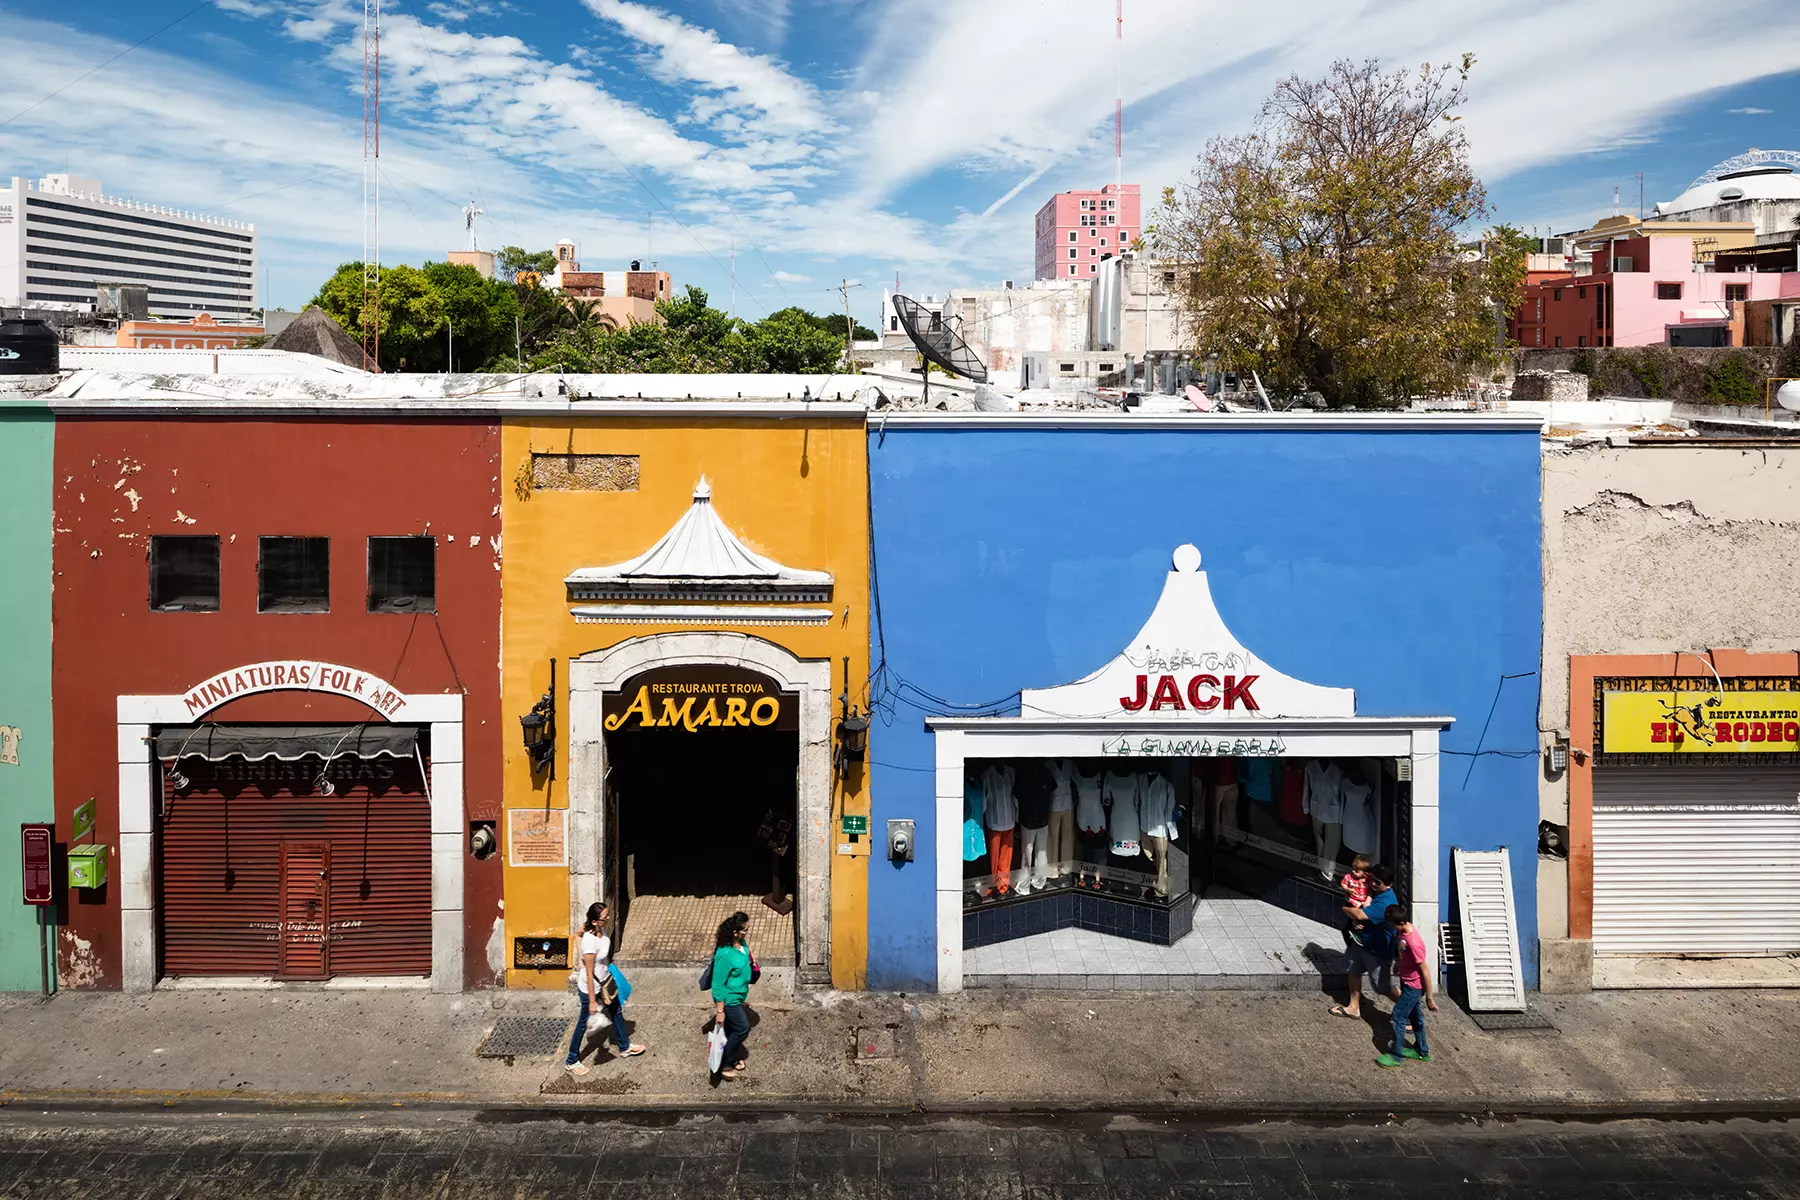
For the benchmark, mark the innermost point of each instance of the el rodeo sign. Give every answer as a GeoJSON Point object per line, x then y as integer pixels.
{"type": "Point", "coordinates": [1700, 722]}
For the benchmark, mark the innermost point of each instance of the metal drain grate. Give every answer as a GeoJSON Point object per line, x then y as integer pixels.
{"type": "Point", "coordinates": [1496, 1022]}
{"type": "Point", "coordinates": [523, 1037]}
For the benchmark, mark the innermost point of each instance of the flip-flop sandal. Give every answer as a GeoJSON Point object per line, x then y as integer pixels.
{"type": "Point", "coordinates": [1338, 1010]}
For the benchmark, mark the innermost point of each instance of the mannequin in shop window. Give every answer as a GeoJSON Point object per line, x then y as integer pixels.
{"type": "Point", "coordinates": [1001, 814]}
{"type": "Point", "coordinates": [974, 832]}
{"type": "Point", "coordinates": [1062, 818]}
{"type": "Point", "coordinates": [1033, 788]}
{"type": "Point", "coordinates": [1122, 791]}
{"type": "Point", "coordinates": [1158, 817]}
{"type": "Point", "coordinates": [1090, 821]}
{"type": "Point", "coordinates": [1325, 805]}
{"type": "Point", "coordinates": [1361, 790]}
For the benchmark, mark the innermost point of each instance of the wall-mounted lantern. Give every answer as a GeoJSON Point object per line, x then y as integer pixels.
{"type": "Point", "coordinates": [538, 727]}
{"type": "Point", "coordinates": [853, 735]}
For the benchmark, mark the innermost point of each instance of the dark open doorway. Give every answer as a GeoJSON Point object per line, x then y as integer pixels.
{"type": "Point", "coordinates": [707, 823]}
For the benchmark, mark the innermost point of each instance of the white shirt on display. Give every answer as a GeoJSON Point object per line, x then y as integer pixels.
{"type": "Point", "coordinates": [1123, 791]}
{"type": "Point", "coordinates": [1000, 807]}
{"type": "Point", "coordinates": [1157, 812]}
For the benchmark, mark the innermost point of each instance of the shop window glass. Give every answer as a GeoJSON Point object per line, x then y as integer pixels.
{"type": "Point", "coordinates": [293, 574]}
{"type": "Point", "coordinates": [1150, 832]}
{"type": "Point", "coordinates": [402, 574]}
{"type": "Point", "coordinates": [184, 573]}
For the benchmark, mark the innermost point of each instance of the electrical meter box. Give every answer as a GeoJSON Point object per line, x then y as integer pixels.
{"type": "Point", "coordinates": [87, 866]}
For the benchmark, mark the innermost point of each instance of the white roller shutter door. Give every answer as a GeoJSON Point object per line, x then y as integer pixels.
{"type": "Point", "coordinates": [1700, 861]}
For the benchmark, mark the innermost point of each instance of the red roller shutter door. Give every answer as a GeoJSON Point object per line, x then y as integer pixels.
{"type": "Point", "coordinates": [221, 863]}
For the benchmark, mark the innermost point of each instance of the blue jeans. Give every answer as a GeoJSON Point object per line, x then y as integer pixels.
{"type": "Point", "coordinates": [614, 1013]}
{"type": "Point", "coordinates": [737, 1029]}
{"type": "Point", "coordinates": [1410, 1008]}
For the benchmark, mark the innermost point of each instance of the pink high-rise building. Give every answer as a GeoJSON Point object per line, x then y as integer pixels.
{"type": "Point", "coordinates": [1075, 230]}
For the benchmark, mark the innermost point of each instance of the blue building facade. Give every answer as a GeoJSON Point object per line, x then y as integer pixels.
{"type": "Point", "coordinates": [1397, 556]}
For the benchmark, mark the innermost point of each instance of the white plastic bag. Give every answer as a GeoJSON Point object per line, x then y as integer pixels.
{"type": "Point", "coordinates": [715, 1048]}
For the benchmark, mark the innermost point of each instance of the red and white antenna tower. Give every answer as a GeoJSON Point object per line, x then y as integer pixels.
{"type": "Point", "coordinates": [1119, 109]}
{"type": "Point", "coordinates": [371, 257]}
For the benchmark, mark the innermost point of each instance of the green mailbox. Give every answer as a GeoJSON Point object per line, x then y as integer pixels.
{"type": "Point", "coordinates": [87, 866]}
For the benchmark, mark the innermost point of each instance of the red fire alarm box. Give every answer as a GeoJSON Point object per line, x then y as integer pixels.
{"type": "Point", "coordinates": [37, 843]}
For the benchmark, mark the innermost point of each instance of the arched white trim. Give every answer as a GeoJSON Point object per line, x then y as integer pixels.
{"type": "Point", "coordinates": [593, 674]}
{"type": "Point", "coordinates": [138, 783]}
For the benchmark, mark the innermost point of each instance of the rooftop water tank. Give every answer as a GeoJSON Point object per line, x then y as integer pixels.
{"type": "Point", "coordinates": [28, 347]}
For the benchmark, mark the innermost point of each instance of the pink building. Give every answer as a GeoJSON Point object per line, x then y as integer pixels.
{"type": "Point", "coordinates": [1646, 291]}
{"type": "Point", "coordinates": [1075, 230]}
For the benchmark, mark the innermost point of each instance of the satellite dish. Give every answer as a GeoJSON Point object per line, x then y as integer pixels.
{"type": "Point", "coordinates": [937, 342]}
{"type": "Point", "coordinates": [1788, 395]}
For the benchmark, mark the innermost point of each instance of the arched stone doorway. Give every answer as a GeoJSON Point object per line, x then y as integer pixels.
{"type": "Point", "coordinates": [593, 675]}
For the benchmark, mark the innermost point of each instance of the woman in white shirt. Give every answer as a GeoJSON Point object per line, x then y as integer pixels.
{"type": "Point", "coordinates": [599, 992]}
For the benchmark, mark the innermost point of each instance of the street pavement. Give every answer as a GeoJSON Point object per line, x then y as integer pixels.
{"type": "Point", "coordinates": [1219, 1054]}
{"type": "Point", "coordinates": [119, 1156]}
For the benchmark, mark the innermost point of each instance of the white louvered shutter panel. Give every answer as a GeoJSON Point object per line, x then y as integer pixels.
{"type": "Point", "coordinates": [1490, 931]}
{"type": "Point", "coordinates": [1695, 860]}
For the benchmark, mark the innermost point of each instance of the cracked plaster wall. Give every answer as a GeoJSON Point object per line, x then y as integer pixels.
{"type": "Point", "coordinates": [1653, 550]}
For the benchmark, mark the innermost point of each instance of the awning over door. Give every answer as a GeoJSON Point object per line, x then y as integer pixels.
{"type": "Point", "coordinates": [216, 743]}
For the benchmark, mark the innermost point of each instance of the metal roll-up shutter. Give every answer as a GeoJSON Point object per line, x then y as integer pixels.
{"type": "Point", "coordinates": [1700, 861]}
{"type": "Point", "coordinates": [225, 905]}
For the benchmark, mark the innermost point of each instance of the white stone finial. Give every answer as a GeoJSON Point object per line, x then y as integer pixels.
{"type": "Point", "coordinates": [702, 491]}
{"type": "Point", "coordinates": [1187, 558]}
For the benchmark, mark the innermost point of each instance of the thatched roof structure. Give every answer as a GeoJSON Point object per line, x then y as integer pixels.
{"type": "Point", "coordinates": [313, 332]}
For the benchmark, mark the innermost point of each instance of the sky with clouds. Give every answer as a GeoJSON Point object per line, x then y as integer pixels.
{"type": "Point", "coordinates": [826, 139]}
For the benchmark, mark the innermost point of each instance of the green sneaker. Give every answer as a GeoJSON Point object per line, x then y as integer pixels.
{"type": "Point", "coordinates": [1409, 1052]}
{"type": "Point", "coordinates": [1388, 1060]}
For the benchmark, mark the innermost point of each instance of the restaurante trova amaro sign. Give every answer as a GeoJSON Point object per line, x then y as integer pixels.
{"type": "Point", "coordinates": [692, 698]}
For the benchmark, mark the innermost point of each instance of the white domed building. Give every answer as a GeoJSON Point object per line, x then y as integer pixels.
{"type": "Point", "coordinates": [1761, 187]}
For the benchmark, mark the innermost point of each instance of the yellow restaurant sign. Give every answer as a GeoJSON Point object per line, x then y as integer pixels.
{"type": "Point", "coordinates": [1701, 723]}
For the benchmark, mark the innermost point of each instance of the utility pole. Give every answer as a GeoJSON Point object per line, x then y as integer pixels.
{"type": "Point", "coordinates": [1640, 178]}
{"type": "Point", "coordinates": [518, 346]}
{"type": "Point", "coordinates": [450, 348]}
{"type": "Point", "coordinates": [849, 325]}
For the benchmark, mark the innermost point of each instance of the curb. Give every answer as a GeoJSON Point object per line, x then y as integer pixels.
{"type": "Point", "coordinates": [662, 1110]}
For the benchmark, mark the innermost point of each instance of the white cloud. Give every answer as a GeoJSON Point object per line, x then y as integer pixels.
{"type": "Point", "coordinates": [997, 103]}
{"type": "Point", "coordinates": [1752, 112]}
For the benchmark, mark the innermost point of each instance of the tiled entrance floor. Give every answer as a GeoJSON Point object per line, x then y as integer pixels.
{"type": "Point", "coordinates": [683, 929]}
{"type": "Point", "coordinates": [1237, 942]}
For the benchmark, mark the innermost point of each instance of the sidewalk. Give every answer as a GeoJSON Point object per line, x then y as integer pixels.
{"type": "Point", "coordinates": [1230, 1053]}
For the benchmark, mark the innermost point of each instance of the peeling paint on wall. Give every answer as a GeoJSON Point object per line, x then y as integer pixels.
{"type": "Point", "coordinates": [77, 966]}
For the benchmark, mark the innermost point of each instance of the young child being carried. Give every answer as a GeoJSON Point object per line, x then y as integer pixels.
{"type": "Point", "coordinates": [1355, 883]}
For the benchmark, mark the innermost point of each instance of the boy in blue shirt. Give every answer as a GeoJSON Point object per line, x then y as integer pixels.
{"type": "Point", "coordinates": [1373, 946]}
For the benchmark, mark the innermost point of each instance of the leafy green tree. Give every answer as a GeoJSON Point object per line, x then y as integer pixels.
{"type": "Point", "coordinates": [513, 259]}
{"type": "Point", "coordinates": [1322, 248]}
{"type": "Point", "coordinates": [480, 312]}
{"type": "Point", "coordinates": [411, 313]}
{"type": "Point", "coordinates": [794, 341]}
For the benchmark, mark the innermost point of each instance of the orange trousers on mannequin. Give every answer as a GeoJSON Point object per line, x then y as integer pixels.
{"type": "Point", "coordinates": [1000, 857]}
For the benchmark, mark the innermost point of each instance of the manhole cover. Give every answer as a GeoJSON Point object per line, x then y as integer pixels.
{"type": "Point", "coordinates": [874, 1043]}
{"type": "Point", "coordinates": [1494, 1022]}
{"type": "Point", "coordinates": [523, 1037]}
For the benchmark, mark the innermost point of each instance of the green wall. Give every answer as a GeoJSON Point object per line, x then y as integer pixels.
{"type": "Point", "coordinates": [27, 441]}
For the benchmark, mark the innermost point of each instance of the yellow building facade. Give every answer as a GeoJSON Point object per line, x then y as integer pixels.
{"type": "Point", "coordinates": [689, 588]}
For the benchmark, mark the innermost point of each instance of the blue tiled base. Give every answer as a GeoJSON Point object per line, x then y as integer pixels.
{"type": "Point", "coordinates": [1318, 901]}
{"type": "Point", "coordinates": [1158, 924]}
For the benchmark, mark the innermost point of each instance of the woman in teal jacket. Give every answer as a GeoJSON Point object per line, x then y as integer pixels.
{"type": "Point", "coordinates": [731, 971]}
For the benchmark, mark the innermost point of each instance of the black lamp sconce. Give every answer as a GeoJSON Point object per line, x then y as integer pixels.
{"type": "Point", "coordinates": [538, 727]}
{"type": "Point", "coordinates": [853, 728]}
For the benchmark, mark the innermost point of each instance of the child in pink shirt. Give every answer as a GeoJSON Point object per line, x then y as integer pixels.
{"type": "Point", "coordinates": [1416, 994]}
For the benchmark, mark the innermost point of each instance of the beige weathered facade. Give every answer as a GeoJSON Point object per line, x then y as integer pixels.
{"type": "Point", "coordinates": [1653, 550]}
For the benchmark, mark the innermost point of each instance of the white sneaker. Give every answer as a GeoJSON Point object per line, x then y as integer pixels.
{"type": "Point", "coordinates": [576, 1069]}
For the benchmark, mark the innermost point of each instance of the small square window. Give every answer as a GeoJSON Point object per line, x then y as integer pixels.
{"type": "Point", "coordinates": [184, 573]}
{"type": "Point", "coordinates": [1103, 241]}
{"type": "Point", "coordinates": [1559, 339]}
{"type": "Point", "coordinates": [1071, 268]}
{"type": "Point", "coordinates": [1581, 340]}
{"type": "Point", "coordinates": [1581, 293]}
{"type": "Point", "coordinates": [1668, 291]}
{"type": "Point", "coordinates": [293, 574]}
{"type": "Point", "coordinates": [1555, 293]}
{"type": "Point", "coordinates": [1093, 250]}
{"type": "Point", "coordinates": [1737, 291]}
{"type": "Point", "coordinates": [1072, 235]}
{"type": "Point", "coordinates": [1072, 252]}
{"type": "Point", "coordinates": [402, 574]}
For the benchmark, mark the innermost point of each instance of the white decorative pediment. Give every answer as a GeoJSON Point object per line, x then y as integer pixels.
{"type": "Point", "coordinates": [1185, 665]}
{"type": "Point", "coordinates": [698, 559]}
